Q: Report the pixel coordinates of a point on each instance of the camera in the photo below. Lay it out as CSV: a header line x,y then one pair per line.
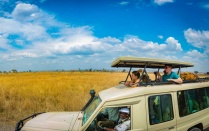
x,y
155,72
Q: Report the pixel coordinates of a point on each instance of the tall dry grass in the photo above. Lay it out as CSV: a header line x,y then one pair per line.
x,y
22,94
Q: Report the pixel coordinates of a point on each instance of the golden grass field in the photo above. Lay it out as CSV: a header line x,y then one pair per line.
x,y
22,94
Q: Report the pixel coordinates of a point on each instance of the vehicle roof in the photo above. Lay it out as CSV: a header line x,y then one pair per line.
x,y
121,91
151,62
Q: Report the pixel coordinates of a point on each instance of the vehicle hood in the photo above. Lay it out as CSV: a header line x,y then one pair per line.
x,y
63,121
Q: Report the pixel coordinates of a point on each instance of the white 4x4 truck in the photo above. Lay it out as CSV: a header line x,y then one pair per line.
x,y
154,105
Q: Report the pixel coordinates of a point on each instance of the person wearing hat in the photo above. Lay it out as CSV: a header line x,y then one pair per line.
x,y
124,122
169,75
108,117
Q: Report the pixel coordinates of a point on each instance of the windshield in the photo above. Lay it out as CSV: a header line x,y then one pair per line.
x,y
91,108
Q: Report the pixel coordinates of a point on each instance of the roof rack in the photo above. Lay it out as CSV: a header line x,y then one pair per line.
x,y
149,62
134,62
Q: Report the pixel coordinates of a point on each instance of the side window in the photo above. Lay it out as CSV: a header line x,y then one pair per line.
x,y
183,111
191,101
187,102
203,98
112,117
160,109
207,96
207,91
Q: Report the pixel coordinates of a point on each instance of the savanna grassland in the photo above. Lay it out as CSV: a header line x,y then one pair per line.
x,y
22,94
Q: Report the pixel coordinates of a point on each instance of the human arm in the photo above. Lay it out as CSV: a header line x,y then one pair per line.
x,y
127,83
175,78
134,84
178,80
131,84
121,127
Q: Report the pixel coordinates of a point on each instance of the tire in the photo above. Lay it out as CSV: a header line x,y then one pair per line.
x,y
195,129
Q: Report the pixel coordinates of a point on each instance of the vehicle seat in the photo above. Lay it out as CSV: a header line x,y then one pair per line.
x,y
181,104
166,108
193,105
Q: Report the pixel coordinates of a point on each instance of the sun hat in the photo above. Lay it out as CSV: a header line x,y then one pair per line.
x,y
124,110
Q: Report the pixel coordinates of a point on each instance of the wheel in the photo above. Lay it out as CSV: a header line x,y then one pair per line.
x,y
195,129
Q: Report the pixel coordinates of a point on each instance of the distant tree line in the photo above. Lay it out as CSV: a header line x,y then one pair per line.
x,y
79,70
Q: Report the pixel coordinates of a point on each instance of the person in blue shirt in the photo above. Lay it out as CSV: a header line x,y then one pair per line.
x,y
169,75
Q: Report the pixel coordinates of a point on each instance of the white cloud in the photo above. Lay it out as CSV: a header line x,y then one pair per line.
x,y
160,36
200,63
197,38
173,44
161,2
110,40
29,31
71,46
134,44
124,3
196,54
31,13
26,12
3,43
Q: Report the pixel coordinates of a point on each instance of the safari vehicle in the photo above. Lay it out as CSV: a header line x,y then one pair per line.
x,y
154,106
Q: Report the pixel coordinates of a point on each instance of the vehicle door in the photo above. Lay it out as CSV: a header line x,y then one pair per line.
x,y
161,115
107,117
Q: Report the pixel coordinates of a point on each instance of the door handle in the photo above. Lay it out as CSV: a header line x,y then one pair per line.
x,y
172,127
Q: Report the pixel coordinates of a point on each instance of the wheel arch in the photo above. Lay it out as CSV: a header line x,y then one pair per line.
x,y
200,126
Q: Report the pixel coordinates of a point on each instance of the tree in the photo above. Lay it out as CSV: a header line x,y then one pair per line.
x,y
195,72
14,70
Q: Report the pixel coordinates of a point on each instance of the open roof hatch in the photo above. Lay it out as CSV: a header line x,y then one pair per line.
x,y
134,62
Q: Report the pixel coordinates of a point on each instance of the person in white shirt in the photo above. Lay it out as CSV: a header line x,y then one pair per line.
x,y
124,122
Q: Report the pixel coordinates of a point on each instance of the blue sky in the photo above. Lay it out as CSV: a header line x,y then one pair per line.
x,y
78,34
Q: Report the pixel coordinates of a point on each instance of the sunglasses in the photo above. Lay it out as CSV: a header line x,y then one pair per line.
x,y
166,67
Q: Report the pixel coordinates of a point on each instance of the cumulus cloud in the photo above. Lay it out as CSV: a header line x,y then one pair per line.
x,y
26,12
161,2
29,31
31,13
78,41
39,39
30,24
133,44
196,54
173,44
197,38
3,43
